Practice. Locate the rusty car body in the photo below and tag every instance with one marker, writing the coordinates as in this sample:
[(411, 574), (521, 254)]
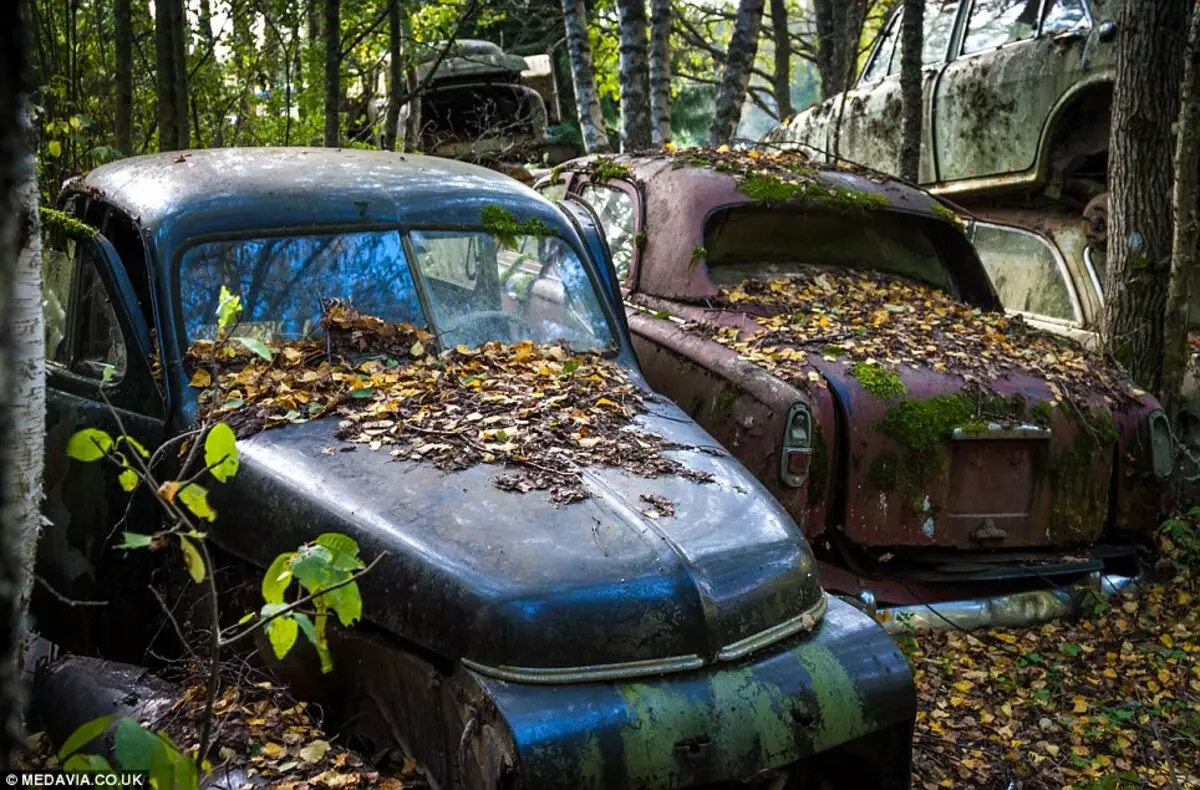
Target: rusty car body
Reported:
[(1017, 97), (1018, 512), (1047, 267), (476, 106), (508, 642)]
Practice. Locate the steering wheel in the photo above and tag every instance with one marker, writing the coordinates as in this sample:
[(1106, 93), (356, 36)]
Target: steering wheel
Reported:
[(455, 324)]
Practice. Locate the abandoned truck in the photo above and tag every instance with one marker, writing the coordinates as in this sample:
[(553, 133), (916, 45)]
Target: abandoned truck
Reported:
[(1017, 97), (622, 605), (836, 332), (476, 107)]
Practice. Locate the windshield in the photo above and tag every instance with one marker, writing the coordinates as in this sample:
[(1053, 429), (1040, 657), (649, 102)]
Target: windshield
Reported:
[(753, 241), (530, 288)]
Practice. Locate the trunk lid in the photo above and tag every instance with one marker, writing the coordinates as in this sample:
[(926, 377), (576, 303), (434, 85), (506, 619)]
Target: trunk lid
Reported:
[(943, 464)]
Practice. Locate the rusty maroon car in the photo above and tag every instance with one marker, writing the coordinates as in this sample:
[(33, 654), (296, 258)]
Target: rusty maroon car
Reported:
[(836, 331)]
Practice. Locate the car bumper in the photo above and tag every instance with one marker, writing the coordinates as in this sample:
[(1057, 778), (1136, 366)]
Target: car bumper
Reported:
[(842, 683), (1014, 609)]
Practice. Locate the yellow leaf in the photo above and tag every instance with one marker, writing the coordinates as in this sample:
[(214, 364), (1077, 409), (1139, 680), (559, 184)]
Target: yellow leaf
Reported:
[(1052, 749), (128, 480), (200, 379), (1184, 599), (964, 686), (168, 490), (191, 557), (54, 148), (273, 750), (314, 752), (1080, 705), (607, 402), (418, 349), (1166, 640), (723, 149)]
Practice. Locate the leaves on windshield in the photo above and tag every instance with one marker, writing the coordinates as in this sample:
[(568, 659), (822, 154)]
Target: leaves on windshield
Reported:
[(543, 410), (869, 318)]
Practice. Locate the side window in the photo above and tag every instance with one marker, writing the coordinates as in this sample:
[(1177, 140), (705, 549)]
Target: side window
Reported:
[(82, 331), (1025, 272), (996, 22), (881, 65), (1063, 15), (615, 209), (939, 26), (556, 191)]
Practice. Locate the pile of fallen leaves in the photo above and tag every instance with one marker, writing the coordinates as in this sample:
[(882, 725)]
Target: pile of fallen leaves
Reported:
[(1109, 701), (869, 317), (264, 738), (543, 410)]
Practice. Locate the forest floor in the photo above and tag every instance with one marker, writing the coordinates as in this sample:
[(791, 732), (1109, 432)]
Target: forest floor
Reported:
[(1111, 700)]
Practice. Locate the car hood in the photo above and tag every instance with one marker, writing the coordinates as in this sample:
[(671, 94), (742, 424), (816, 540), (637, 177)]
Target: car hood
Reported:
[(508, 580)]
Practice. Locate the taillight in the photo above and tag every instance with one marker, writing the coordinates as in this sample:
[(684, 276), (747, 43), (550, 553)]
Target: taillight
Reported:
[(797, 446), (1162, 447)]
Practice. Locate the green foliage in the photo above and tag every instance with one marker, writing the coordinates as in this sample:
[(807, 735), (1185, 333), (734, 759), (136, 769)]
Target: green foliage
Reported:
[(135, 749), (58, 228), (229, 307), (323, 569), (877, 380), (774, 191), (221, 453), (89, 444), (1179, 540), (501, 223), (698, 253)]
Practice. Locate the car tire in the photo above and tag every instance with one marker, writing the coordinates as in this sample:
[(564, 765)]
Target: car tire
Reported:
[(1095, 221)]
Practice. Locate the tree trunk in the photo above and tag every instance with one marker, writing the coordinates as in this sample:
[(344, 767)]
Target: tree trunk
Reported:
[(164, 64), (333, 73), (123, 23), (660, 70), (839, 27), (22, 373), (412, 124), (179, 39), (206, 28), (634, 77), (743, 46), (1145, 104), (583, 78), (397, 87), (911, 27), (782, 83), (1186, 220)]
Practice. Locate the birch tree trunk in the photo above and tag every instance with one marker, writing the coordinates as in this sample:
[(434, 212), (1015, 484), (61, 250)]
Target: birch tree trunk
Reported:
[(179, 50), (22, 373), (333, 73), (164, 64), (911, 34), (123, 33), (583, 78), (782, 82), (1145, 103), (1186, 220), (634, 77), (660, 70), (743, 47), (397, 85)]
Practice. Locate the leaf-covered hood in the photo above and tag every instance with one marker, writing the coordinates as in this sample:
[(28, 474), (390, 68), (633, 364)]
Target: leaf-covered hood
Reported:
[(509, 579)]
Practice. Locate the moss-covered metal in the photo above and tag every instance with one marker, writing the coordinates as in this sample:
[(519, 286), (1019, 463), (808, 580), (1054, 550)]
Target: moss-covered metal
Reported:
[(59, 227), (1080, 499), (503, 224), (818, 467), (775, 191), (698, 253), (879, 381), (602, 169)]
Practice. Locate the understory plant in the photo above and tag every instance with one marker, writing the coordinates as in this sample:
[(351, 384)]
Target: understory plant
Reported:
[(326, 571)]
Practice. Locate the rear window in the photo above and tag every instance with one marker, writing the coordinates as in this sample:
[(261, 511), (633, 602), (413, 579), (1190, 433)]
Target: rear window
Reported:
[(752, 241)]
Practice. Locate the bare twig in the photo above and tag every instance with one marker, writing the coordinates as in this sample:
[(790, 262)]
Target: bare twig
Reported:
[(68, 601), (171, 616)]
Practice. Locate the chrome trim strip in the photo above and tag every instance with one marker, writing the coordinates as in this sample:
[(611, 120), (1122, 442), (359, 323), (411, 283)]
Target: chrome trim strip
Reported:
[(805, 621), (629, 669)]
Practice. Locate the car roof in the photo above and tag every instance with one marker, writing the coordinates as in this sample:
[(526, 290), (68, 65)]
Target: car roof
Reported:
[(682, 188), (178, 196)]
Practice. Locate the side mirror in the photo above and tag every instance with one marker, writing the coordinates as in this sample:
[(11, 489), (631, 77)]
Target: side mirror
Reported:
[(1107, 30)]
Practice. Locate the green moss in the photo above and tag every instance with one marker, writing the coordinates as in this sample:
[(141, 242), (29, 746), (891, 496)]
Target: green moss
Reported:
[(640, 240), (829, 351), (1043, 413), (698, 253), (723, 403), (556, 174), (921, 428), (59, 227), (947, 214), (501, 223), (774, 191), (877, 380), (1079, 496), (603, 168)]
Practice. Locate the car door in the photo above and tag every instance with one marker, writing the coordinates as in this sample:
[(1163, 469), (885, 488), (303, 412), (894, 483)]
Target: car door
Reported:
[(868, 117), (1014, 61), (93, 325)]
